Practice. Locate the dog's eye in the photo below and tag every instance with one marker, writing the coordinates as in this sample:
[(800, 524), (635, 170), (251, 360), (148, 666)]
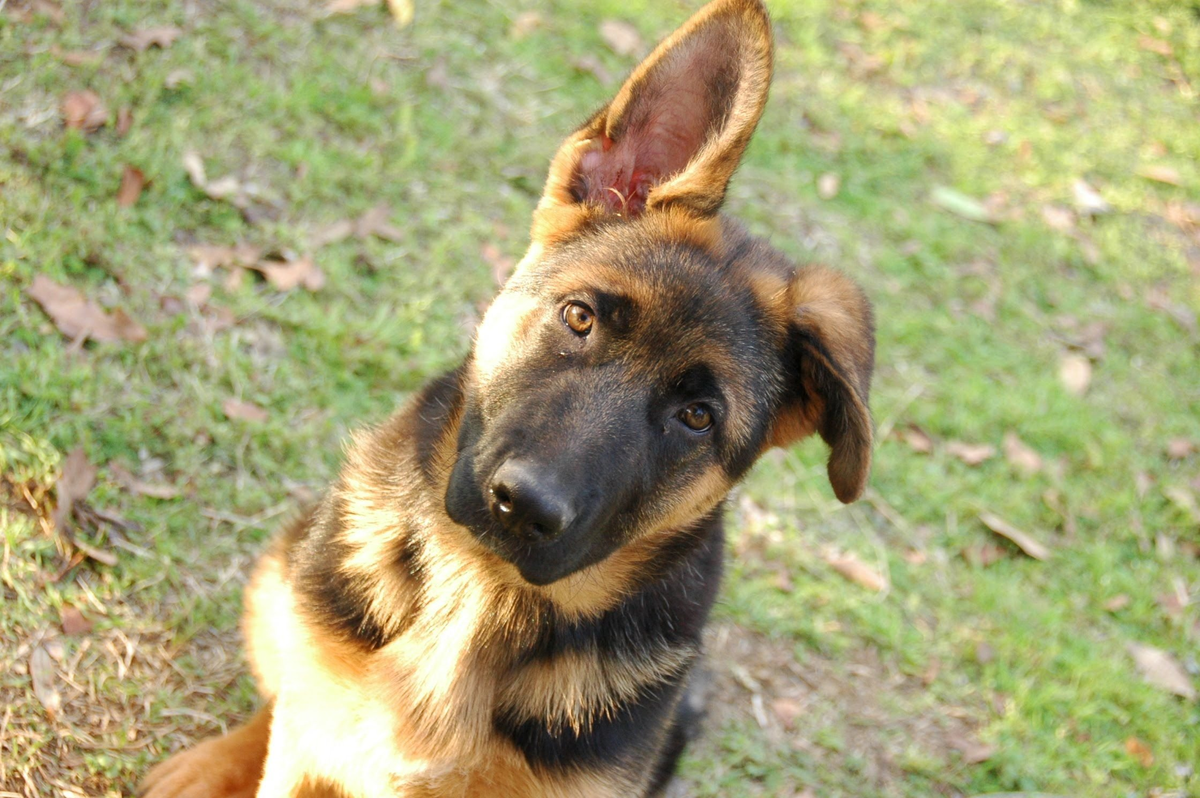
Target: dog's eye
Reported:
[(697, 417), (578, 317)]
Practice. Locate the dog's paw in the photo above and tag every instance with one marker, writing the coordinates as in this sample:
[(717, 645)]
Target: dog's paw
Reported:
[(227, 767)]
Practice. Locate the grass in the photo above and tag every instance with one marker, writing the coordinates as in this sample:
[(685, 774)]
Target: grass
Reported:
[(972, 653)]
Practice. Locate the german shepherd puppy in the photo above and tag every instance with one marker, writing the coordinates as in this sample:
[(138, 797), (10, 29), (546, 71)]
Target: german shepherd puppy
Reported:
[(503, 594)]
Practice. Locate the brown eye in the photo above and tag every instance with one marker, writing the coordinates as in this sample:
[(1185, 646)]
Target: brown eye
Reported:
[(579, 318), (697, 417)]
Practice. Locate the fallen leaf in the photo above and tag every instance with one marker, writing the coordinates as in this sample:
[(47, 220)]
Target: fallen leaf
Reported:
[(787, 711), (79, 318), (402, 12), (1058, 218), (146, 38), (178, 77), (77, 58), (244, 411), (917, 439), (1139, 751), (1075, 371), (1153, 45), (74, 483), (960, 204), (524, 24), (375, 223), (99, 555), (72, 620), (348, 6), (193, 164), (124, 120), (970, 453), (915, 557), (1179, 448), (1161, 174), (133, 180), (594, 66), (622, 37), (1020, 455), (973, 752), (1158, 299), (854, 569), (45, 681), (1117, 603), (1023, 541), (83, 110), (501, 264), (135, 485), (288, 274), (984, 554), (1088, 199), (828, 186), (1162, 670)]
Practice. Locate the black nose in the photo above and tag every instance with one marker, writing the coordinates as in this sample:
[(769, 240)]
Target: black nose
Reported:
[(528, 504)]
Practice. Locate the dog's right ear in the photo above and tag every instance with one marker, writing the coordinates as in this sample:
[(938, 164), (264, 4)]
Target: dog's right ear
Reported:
[(673, 135)]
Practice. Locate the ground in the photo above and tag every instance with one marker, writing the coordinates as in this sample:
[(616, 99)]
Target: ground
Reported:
[(1015, 184)]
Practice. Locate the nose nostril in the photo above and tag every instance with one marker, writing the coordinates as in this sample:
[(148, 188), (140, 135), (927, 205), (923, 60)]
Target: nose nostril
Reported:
[(504, 504)]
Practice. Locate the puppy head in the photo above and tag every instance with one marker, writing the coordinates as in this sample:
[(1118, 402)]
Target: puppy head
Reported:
[(645, 351)]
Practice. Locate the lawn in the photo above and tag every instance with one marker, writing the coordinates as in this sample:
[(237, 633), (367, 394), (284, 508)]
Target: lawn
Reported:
[(1017, 185)]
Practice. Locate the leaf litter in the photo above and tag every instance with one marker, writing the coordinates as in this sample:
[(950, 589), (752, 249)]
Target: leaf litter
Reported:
[(79, 318), (1023, 541), (84, 110), (1162, 670)]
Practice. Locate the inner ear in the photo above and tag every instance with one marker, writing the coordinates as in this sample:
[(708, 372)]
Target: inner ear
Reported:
[(659, 123)]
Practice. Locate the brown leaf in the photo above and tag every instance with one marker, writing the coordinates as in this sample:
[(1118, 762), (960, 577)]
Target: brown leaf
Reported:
[(288, 274), (77, 58), (501, 264), (135, 485), (146, 38), (916, 438), (1023, 541), (73, 622), (132, 183), (375, 223), (594, 66), (622, 37), (1158, 299), (83, 110), (1153, 45), (45, 681), (1180, 448), (1020, 455), (787, 711), (984, 554), (854, 569), (244, 411), (1139, 751), (99, 555), (973, 752), (828, 186), (1075, 372), (1161, 670), (970, 453), (74, 483), (1117, 603), (79, 318), (124, 120), (1161, 174)]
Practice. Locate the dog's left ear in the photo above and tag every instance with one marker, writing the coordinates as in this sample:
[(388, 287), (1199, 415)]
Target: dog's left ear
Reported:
[(675, 132), (829, 356)]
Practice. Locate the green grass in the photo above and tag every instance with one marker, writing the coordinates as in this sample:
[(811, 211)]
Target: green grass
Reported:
[(451, 122)]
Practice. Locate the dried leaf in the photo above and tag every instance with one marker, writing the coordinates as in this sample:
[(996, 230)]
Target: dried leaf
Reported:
[(288, 274), (99, 555), (348, 6), (78, 318), (83, 110), (194, 165), (375, 223), (1139, 751), (135, 485), (1020, 455), (1117, 603), (132, 183), (244, 411), (594, 66), (74, 483), (77, 58), (1153, 45), (1023, 541), (501, 264), (1088, 199), (622, 37), (970, 453), (1161, 174), (146, 38), (917, 439), (828, 186), (854, 569), (73, 622), (1179, 448), (787, 711), (45, 681), (402, 12), (973, 752), (960, 204), (1075, 371), (124, 120), (1162, 670), (524, 24)]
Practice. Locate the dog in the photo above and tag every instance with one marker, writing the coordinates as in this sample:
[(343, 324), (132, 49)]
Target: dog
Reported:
[(504, 592)]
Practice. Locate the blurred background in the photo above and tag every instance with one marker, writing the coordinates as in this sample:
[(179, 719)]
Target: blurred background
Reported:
[(231, 232)]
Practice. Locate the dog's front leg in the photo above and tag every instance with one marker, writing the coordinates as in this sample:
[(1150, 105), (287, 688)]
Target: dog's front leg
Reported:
[(226, 767)]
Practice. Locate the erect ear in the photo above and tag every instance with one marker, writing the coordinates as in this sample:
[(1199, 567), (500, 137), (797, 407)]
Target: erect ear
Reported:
[(676, 130), (830, 352)]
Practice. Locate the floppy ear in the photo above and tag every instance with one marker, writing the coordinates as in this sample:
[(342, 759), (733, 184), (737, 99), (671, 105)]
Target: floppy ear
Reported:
[(830, 354), (675, 132)]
